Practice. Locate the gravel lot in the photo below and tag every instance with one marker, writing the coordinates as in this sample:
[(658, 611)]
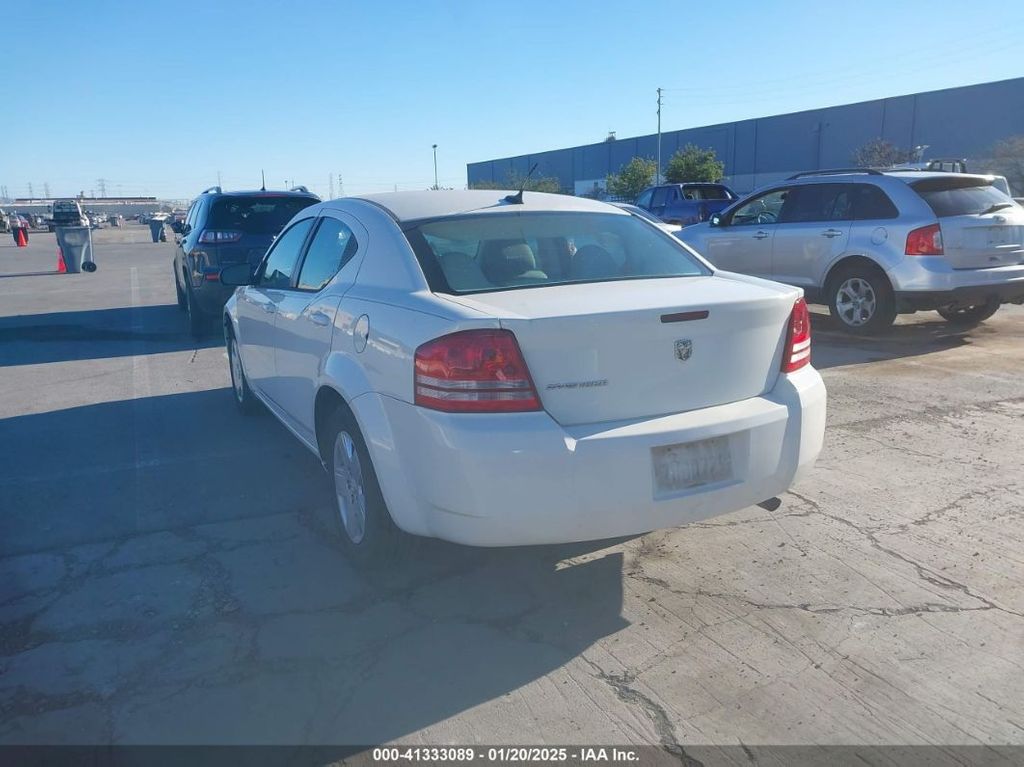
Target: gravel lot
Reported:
[(168, 572)]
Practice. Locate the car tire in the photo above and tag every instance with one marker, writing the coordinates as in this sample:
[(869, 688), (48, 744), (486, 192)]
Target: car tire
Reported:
[(180, 293), (367, 532), (244, 398), (196, 318), (971, 315), (861, 299)]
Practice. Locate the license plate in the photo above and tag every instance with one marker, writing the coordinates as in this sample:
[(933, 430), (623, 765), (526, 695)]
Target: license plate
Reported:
[(999, 235), (693, 464)]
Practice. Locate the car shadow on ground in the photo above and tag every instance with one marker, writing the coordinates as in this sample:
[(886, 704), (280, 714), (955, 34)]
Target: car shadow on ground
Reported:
[(924, 334), (97, 334), (179, 564)]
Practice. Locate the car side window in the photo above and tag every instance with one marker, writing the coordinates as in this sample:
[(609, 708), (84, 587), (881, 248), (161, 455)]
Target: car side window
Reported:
[(818, 202), (763, 209), (332, 247), (279, 268), (644, 200), (660, 197), (870, 202)]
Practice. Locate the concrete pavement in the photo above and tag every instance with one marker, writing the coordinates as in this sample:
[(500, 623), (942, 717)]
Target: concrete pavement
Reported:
[(169, 572)]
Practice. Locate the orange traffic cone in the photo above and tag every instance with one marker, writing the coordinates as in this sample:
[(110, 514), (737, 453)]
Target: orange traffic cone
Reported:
[(22, 238), (61, 266)]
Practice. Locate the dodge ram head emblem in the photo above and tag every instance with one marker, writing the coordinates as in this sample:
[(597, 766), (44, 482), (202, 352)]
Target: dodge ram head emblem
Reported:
[(684, 348)]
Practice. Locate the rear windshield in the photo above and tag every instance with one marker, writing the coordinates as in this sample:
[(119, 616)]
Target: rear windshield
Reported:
[(485, 253), (255, 215), (960, 197)]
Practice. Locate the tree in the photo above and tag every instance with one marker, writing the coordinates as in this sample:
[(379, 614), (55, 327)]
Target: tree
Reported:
[(1008, 160), (632, 178), (516, 181), (691, 163), (879, 153)]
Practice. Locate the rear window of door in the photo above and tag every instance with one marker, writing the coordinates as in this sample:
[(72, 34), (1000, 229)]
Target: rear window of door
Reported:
[(872, 203), (644, 200), (332, 247), (255, 214), (279, 268), (960, 197), (818, 202)]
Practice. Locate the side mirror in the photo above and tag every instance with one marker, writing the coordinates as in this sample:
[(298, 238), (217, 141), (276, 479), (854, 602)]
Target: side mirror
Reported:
[(185, 229), (235, 275), (716, 220)]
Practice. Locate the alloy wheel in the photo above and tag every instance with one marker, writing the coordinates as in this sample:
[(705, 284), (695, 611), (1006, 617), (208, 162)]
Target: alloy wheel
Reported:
[(349, 487), (856, 301)]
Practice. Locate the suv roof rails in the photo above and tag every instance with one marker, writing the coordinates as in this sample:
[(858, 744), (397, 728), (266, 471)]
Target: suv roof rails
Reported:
[(213, 189), (299, 188), (835, 172)]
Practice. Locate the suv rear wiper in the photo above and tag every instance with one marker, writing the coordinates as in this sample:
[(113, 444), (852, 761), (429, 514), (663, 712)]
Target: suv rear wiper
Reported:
[(996, 206)]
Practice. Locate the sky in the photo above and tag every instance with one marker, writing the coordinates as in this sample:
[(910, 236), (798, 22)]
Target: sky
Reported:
[(160, 98)]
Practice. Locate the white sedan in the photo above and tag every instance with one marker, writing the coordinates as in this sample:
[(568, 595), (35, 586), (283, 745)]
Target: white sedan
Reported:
[(500, 370)]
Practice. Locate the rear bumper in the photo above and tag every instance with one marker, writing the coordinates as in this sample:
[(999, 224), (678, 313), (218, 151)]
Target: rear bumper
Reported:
[(519, 479), (931, 283), (211, 296)]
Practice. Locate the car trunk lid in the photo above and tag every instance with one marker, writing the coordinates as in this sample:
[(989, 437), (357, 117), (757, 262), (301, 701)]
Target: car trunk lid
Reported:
[(633, 349)]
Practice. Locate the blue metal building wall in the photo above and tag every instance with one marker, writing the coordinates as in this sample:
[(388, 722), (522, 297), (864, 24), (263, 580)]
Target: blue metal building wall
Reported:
[(955, 122)]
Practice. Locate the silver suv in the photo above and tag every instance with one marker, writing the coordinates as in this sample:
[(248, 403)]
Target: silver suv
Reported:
[(873, 244)]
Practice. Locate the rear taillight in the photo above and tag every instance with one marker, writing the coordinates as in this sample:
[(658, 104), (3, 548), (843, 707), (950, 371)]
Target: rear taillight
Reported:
[(219, 236), (474, 371), (926, 241), (797, 351)]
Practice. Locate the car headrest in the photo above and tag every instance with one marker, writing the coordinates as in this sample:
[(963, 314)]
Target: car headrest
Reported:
[(503, 260), (593, 262)]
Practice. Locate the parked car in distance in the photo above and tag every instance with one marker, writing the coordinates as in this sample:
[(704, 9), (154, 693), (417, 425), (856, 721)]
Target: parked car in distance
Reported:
[(224, 228), (685, 204), (67, 213), (872, 244), (647, 216), (522, 369)]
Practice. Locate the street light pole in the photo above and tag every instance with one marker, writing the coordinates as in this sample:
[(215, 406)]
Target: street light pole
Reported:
[(657, 178), (435, 168)]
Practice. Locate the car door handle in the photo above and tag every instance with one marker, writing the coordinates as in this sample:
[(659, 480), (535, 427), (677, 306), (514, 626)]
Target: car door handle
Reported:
[(760, 235), (269, 308), (832, 233), (319, 318)]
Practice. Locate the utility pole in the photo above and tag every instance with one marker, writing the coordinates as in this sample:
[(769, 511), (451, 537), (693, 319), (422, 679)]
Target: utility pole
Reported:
[(341, 187), (102, 184), (31, 194), (218, 179), (436, 187), (330, 185), (46, 189), (657, 177)]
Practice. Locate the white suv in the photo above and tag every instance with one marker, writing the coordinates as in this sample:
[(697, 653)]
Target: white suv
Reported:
[(872, 244)]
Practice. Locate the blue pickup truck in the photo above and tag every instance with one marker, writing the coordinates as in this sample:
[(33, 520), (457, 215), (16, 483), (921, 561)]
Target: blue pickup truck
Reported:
[(685, 204)]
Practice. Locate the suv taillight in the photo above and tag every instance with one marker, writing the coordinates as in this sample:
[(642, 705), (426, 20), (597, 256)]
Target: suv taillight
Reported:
[(797, 351), (219, 236), (474, 371), (926, 241)]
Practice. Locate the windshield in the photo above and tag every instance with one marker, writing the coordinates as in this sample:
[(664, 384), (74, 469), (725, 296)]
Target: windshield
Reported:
[(960, 197), (255, 215), (485, 253)]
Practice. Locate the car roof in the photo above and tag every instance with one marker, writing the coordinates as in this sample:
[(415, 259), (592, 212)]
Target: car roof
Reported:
[(415, 206), (262, 193)]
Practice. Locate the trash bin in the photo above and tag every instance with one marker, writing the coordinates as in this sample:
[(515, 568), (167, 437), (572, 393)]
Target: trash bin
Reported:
[(75, 243)]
